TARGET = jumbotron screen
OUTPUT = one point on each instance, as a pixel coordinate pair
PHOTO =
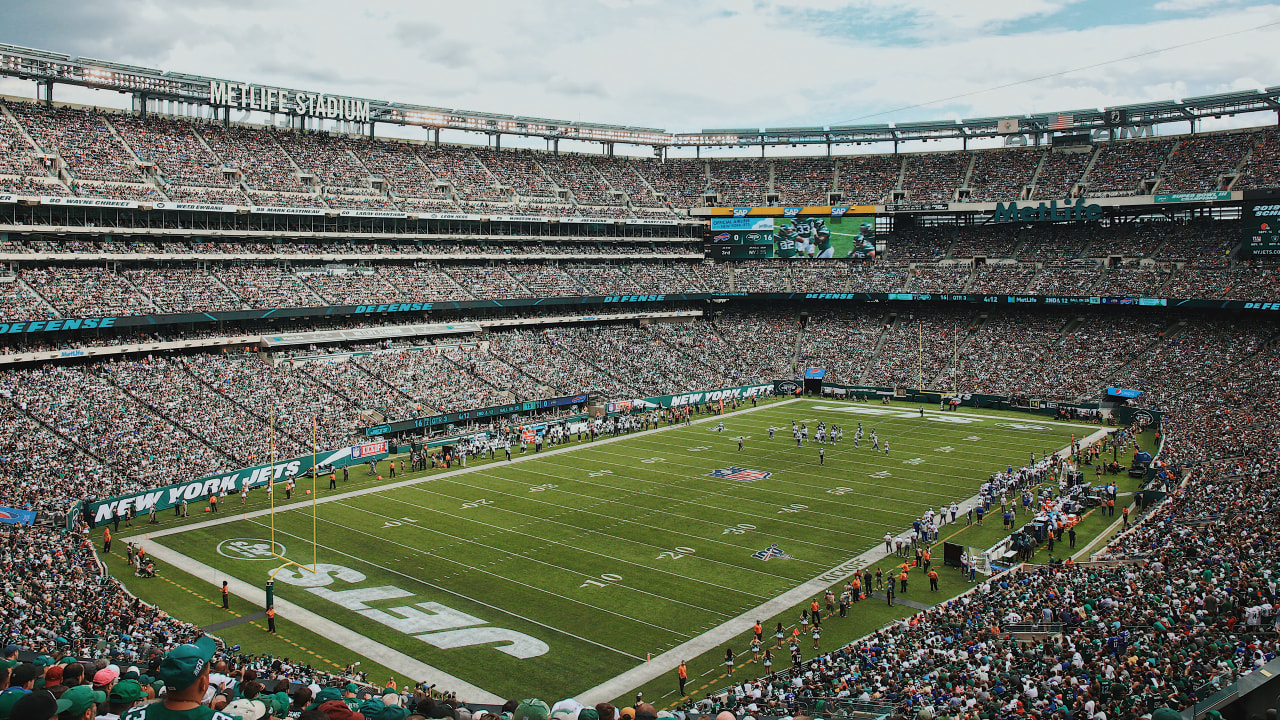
(1262, 228)
(850, 237)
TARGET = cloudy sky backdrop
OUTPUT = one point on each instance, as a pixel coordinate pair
(681, 65)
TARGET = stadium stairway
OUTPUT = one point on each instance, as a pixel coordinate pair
(124, 279)
(884, 333)
(45, 303)
(1093, 160)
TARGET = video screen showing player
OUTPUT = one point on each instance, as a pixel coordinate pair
(814, 238)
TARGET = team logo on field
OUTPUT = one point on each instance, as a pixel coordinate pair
(773, 552)
(249, 549)
(740, 474)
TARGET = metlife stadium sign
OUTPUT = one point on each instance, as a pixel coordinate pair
(292, 102)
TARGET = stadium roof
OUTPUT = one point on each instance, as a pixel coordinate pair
(55, 68)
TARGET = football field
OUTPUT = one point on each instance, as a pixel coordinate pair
(563, 569)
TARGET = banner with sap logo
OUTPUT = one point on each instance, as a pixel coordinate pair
(742, 224)
(199, 490)
(697, 398)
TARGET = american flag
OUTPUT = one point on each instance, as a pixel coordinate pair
(1062, 122)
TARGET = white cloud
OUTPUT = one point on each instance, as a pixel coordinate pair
(688, 65)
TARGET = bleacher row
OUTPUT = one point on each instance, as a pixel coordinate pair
(43, 292)
(93, 153)
(98, 427)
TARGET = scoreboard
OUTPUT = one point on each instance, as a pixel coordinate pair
(1261, 226)
(740, 238)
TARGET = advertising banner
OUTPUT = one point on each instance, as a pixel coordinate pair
(1193, 197)
(199, 490)
(791, 211)
(13, 516)
(705, 396)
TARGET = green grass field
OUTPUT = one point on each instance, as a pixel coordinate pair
(606, 553)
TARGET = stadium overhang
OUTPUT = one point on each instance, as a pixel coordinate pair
(49, 69)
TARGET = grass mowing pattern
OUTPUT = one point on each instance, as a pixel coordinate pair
(540, 555)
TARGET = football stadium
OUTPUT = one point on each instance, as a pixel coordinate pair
(328, 406)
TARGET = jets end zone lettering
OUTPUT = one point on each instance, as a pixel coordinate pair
(430, 622)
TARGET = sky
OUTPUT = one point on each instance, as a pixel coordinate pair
(686, 66)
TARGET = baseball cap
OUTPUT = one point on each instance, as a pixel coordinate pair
(531, 709)
(39, 704)
(82, 697)
(105, 676)
(352, 688)
(589, 713)
(186, 663)
(42, 661)
(126, 691)
(10, 649)
(8, 698)
(246, 709)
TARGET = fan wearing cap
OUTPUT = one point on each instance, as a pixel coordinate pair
(124, 695)
(84, 703)
(39, 705)
(185, 672)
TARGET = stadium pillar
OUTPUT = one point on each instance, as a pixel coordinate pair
(372, 124)
(437, 140)
(497, 141)
(48, 92)
(555, 146)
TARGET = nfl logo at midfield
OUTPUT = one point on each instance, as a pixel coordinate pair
(773, 552)
(740, 474)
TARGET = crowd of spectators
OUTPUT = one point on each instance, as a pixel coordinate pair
(82, 139)
(175, 147)
(1059, 175)
(934, 176)
(1122, 167)
(1198, 162)
(804, 181)
(199, 161)
(1001, 175)
(262, 163)
(740, 182)
(1001, 279)
(916, 347)
(1262, 169)
(868, 179)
